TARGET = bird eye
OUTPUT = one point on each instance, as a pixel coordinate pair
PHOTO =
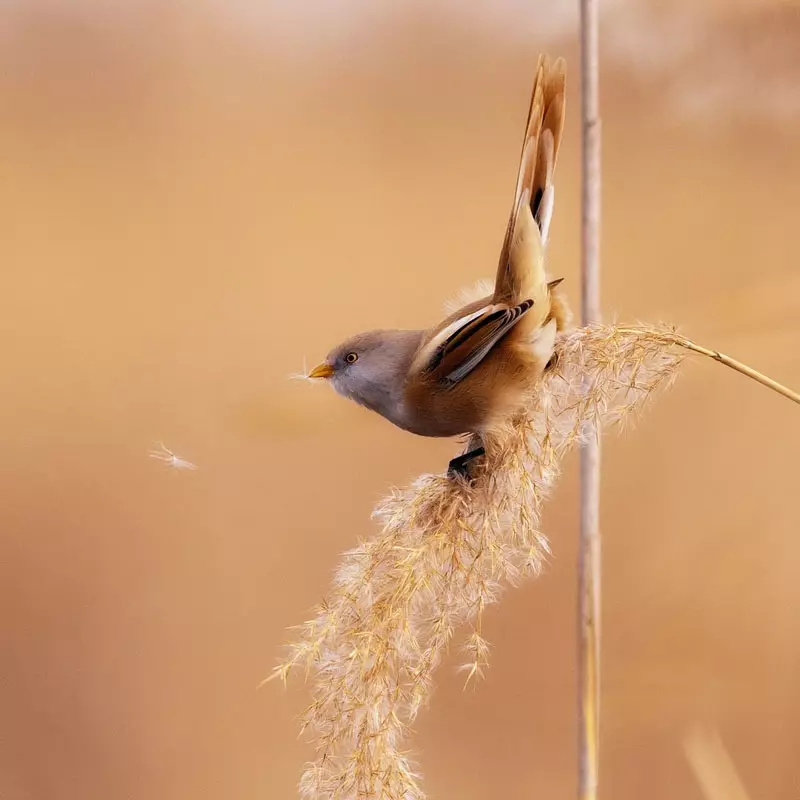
(351, 358)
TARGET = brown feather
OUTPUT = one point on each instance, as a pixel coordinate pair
(520, 271)
(467, 346)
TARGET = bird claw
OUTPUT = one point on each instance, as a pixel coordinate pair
(460, 466)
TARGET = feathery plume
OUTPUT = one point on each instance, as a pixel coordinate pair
(445, 551)
(161, 452)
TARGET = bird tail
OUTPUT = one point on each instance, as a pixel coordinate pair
(520, 272)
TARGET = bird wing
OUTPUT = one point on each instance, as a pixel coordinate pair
(459, 347)
(520, 271)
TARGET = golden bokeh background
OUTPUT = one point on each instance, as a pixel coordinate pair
(196, 197)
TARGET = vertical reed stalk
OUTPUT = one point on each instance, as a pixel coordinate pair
(589, 547)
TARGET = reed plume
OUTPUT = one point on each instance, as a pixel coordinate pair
(445, 551)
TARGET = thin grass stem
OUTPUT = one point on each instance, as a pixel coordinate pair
(716, 355)
(589, 573)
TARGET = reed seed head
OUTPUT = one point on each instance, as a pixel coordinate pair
(445, 551)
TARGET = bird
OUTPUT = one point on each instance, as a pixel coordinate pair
(475, 370)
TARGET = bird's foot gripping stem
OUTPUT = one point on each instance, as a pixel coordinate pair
(460, 465)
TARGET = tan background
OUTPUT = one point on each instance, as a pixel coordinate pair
(196, 197)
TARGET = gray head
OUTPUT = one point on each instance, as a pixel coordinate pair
(371, 368)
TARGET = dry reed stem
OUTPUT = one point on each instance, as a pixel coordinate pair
(589, 564)
(445, 551)
(682, 341)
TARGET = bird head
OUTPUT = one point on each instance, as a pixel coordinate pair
(371, 369)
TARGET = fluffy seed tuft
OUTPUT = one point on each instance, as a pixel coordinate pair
(445, 551)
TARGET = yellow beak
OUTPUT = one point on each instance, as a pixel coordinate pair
(322, 371)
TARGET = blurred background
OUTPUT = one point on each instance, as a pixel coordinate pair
(197, 196)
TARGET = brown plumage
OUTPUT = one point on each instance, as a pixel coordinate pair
(475, 368)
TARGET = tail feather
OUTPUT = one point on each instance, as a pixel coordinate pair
(520, 272)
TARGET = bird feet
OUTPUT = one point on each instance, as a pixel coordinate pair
(460, 465)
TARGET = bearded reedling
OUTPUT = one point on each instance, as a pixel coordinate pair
(474, 371)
